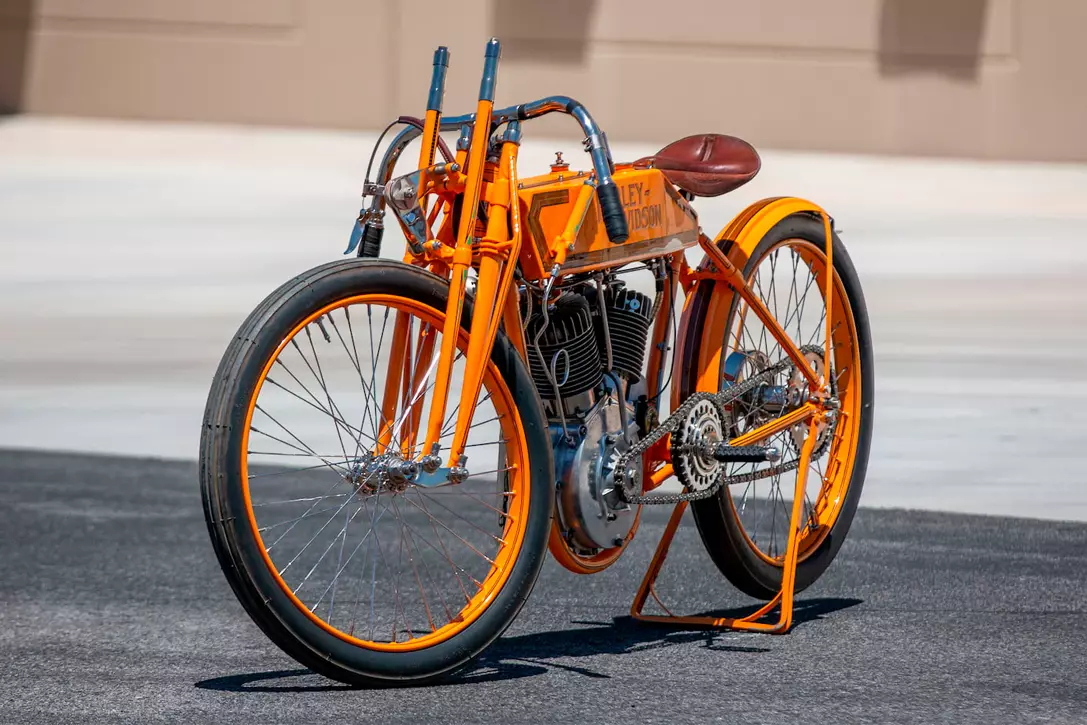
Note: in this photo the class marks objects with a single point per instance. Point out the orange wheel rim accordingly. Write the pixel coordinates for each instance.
(834, 471)
(512, 514)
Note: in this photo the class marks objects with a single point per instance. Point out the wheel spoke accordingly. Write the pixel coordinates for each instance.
(354, 431)
(761, 506)
(499, 539)
(376, 560)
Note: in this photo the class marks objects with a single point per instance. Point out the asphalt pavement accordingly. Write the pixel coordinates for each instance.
(113, 609)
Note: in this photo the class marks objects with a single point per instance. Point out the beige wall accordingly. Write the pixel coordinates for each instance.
(983, 78)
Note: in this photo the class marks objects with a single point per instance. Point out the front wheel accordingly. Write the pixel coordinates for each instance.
(745, 527)
(358, 574)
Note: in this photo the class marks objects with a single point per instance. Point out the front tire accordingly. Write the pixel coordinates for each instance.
(467, 555)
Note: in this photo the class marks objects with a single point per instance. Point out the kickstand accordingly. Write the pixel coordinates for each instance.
(755, 621)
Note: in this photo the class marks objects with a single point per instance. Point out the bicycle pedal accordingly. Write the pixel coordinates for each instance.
(745, 454)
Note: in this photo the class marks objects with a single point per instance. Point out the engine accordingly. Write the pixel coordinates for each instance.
(586, 350)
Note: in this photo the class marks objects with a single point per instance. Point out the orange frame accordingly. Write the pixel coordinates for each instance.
(494, 251)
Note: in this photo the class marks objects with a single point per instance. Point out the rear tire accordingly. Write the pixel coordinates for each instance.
(729, 543)
(229, 511)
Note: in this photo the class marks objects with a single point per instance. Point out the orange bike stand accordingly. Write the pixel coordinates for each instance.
(754, 621)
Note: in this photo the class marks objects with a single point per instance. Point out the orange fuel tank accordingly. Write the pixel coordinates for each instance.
(660, 220)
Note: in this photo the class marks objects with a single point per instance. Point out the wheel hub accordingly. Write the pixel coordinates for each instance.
(797, 394)
(388, 473)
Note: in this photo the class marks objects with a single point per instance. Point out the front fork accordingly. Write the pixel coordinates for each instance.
(497, 252)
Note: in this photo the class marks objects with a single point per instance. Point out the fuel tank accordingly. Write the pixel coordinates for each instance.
(660, 220)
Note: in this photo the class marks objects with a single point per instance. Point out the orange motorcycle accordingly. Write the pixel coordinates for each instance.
(389, 448)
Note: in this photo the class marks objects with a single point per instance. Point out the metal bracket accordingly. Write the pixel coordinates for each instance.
(430, 476)
(433, 479)
(402, 196)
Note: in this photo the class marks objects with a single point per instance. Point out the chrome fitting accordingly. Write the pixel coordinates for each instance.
(431, 462)
(459, 472)
(402, 471)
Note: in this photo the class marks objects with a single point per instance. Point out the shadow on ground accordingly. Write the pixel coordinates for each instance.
(529, 655)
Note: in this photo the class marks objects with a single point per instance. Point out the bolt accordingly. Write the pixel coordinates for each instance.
(431, 463)
(402, 471)
(617, 541)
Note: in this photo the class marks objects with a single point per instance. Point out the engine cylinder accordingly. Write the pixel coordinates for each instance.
(630, 314)
(569, 348)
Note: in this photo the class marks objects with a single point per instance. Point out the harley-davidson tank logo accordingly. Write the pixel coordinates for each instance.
(642, 212)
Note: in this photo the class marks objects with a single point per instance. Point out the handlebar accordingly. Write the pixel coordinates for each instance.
(596, 143)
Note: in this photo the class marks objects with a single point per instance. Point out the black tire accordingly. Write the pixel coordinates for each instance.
(716, 519)
(234, 541)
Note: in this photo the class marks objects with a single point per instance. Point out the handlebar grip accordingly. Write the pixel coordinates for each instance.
(365, 236)
(491, 55)
(371, 241)
(611, 208)
(437, 79)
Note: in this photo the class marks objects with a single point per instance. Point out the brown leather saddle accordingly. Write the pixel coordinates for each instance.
(708, 164)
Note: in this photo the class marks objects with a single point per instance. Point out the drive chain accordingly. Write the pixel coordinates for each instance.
(628, 486)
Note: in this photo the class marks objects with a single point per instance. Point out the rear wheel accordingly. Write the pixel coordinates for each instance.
(745, 527)
(346, 564)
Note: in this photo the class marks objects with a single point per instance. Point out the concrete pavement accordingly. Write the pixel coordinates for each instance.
(129, 253)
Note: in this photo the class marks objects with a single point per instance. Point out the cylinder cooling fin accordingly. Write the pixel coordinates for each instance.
(629, 318)
(568, 349)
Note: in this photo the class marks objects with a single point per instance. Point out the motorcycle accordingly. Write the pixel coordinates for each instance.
(390, 447)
